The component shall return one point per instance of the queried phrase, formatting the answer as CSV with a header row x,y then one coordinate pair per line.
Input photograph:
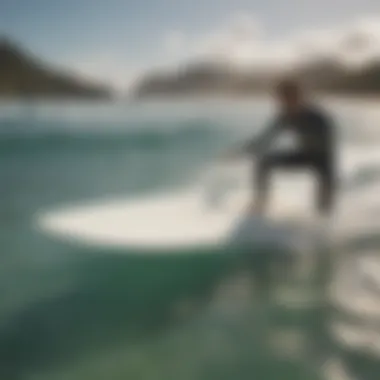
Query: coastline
x,y
354,99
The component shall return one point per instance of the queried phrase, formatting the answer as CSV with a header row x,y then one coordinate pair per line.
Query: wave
x,y
152,135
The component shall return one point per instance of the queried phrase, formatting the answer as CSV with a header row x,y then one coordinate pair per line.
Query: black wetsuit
x,y
315,133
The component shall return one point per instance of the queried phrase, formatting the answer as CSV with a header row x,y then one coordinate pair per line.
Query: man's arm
x,y
261,143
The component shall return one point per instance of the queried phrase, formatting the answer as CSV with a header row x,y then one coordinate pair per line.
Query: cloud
x,y
237,41
360,43
174,42
241,41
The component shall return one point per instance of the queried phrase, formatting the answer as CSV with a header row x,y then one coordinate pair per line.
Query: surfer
x,y
315,134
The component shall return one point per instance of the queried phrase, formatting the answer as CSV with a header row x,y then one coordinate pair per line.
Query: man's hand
x,y
230,155
252,148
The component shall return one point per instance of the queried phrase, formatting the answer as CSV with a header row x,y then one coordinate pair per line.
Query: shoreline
x,y
346,99
369,99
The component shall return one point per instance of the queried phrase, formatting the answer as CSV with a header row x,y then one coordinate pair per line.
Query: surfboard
x,y
196,217
172,221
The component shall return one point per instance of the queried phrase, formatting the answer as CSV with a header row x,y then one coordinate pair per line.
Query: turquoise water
x,y
69,312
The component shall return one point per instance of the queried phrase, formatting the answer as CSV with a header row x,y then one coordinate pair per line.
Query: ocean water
x,y
69,311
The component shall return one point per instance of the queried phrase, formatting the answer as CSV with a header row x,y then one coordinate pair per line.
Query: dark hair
x,y
288,86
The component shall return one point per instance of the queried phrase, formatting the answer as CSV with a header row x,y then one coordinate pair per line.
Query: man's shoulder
x,y
316,113
314,110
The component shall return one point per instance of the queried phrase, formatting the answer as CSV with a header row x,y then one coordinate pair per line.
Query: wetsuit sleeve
x,y
260,144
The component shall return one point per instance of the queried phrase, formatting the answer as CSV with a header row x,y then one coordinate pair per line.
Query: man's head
x,y
289,95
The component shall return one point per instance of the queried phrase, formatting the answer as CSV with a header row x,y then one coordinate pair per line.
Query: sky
x,y
118,40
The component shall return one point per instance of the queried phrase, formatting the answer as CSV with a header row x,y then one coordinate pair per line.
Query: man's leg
x,y
264,168
327,189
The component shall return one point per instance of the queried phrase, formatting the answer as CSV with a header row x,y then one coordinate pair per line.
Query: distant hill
x,y
23,75
365,81
326,76
202,78
332,77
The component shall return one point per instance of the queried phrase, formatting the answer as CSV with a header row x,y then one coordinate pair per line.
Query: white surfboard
x,y
200,217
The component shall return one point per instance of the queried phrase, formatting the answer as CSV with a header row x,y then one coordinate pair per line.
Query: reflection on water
x,y
203,318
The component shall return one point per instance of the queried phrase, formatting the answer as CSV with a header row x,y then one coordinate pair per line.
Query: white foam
x,y
357,337
357,284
